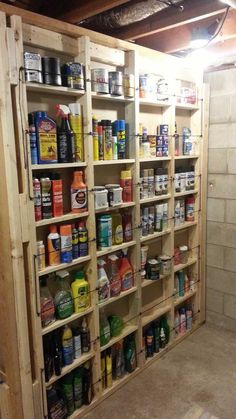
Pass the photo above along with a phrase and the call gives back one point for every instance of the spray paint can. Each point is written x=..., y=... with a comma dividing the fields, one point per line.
x=100, y=142
x=37, y=200
x=33, y=139
x=46, y=198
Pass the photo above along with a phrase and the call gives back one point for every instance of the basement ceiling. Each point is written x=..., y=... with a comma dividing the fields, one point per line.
x=164, y=25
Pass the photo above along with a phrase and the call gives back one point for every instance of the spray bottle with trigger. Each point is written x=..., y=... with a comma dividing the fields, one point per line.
x=65, y=136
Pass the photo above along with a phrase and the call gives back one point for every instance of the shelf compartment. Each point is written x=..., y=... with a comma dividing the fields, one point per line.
x=182, y=266
x=158, y=354
x=155, y=198
x=181, y=300
x=109, y=97
x=155, y=103
x=154, y=159
x=187, y=224
x=58, y=166
x=115, y=248
x=186, y=157
x=187, y=106
x=68, y=368
x=128, y=330
x=120, y=381
x=107, y=162
x=147, y=282
x=45, y=88
x=117, y=207
x=59, y=323
x=75, y=262
x=66, y=217
x=155, y=235
x=192, y=192
x=154, y=314
x=113, y=299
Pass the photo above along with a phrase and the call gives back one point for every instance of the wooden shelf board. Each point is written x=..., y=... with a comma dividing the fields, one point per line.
x=187, y=224
x=111, y=162
x=147, y=282
x=66, y=217
x=83, y=410
x=155, y=103
x=113, y=299
x=192, y=192
x=186, y=157
x=187, y=106
x=59, y=323
x=58, y=90
x=119, y=382
x=58, y=166
x=117, y=207
x=111, y=98
x=155, y=198
x=182, y=266
x=155, y=235
x=154, y=314
x=115, y=248
x=181, y=300
x=128, y=329
x=50, y=269
x=154, y=159
x=68, y=368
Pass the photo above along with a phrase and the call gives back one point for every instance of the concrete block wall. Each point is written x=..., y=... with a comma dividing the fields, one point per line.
x=221, y=201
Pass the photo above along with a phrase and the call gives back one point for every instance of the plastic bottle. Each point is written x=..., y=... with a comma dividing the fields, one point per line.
x=75, y=242
x=78, y=387
x=62, y=296
x=41, y=255
x=149, y=342
x=33, y=139
x=37, y=199
x=108, y=368
x=75, y=119
x=189, y=317
x=117, y=229
x=162, y=339
x=80, y=293
x=46, y=197
x=181, y=278
x=127, y=227
x=65, y=137
x=85, y=336
x=100, y=141
x=103, y=369
x=78, y=193
x=57, y=195
x=66, y=243
x=47, y=307
x=53, y=246
x=57, y=357
x=156, y=335
x=67, y=345
x=182, y=326
x=105, y=332
x=66, y=385
x=177, y=323
x=126, y=272
x=189, y=208
x=77, y=348
x=126, y=184
x=87, y=384
x=103, y=282
x=83, y=239
x=46, y=134
x=130, y=354
x=48, y=357
x=114, y=276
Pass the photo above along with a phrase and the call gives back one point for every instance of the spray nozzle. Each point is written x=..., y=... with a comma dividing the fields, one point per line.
x=62, y=110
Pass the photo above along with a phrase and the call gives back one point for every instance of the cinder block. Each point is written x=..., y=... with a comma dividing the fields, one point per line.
x=230, y=259
x=223, y=81
x=216, y=209
x=231, y=161
x=221, y=280
x=218, y=135
x=222, y=186
x=220, y=109
x=230, y=306
x=214, y=300
x=220, y=321
x=217, y=160
x=232, y=100
x=230, y=211
x=221, y=234
x=215, y=255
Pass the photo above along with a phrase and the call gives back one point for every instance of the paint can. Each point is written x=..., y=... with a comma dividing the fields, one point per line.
x=116, y=83
x=73, y=75
x=100, y=80
x=104, y=230
x=128, y=81
x=114, y=194
x=100, y=197
x=33, y=67
x=153, y=269
x=51, y=71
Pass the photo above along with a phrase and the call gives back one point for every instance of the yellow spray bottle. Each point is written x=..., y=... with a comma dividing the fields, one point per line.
x=75, y=119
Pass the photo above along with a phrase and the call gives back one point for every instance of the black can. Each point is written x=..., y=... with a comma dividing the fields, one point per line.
x=153, y=269
x=51, y=71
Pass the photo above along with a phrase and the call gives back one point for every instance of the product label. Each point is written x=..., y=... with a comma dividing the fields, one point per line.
x=78, y=392
x=47, y=136
x=77, y=346
x=127, y=281
x=158, y=184
x=118, y=236
x=63, y=147
x=63, y=304
x=82, y=300
x=78, y=198
x=115, y=287
x=128, y=232
x=67, y=351
x=121, y=143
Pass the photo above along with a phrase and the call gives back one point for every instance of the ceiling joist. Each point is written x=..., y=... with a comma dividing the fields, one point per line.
x=194, y=11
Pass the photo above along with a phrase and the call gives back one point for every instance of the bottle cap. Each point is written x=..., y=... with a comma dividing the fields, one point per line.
x=65, y=230
x=79, y=275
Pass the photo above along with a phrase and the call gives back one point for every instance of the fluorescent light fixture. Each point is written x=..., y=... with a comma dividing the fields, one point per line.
x=231, y=3
x=200, y=38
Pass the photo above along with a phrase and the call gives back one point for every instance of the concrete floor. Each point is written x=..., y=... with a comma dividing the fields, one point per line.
x=200, y=371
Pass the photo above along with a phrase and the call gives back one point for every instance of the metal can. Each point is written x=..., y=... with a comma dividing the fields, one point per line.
x=116, y=83
x=166, y=264
x=153, y=269
x=100, y=198
x=128, y=80
x=114, y=194
x=100, y=80
x=143, y=86
x=104, y=231
x=145, y=219
x=33, y=67
x=73, y=75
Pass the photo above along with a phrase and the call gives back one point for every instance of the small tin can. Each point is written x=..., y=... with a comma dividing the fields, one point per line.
x=128, y=80
x=73, y=75
x=100, y=80
x=115, y=83
x=33, y=67
x=153, y=269
x=100, y=197
x=104, y=230
x=166, y=264
x=52, y=71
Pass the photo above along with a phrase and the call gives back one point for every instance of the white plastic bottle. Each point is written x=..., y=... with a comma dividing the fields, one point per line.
x=103, y=282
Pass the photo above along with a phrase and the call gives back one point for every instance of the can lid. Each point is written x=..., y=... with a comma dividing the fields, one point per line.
x=65, y=230
x=164, y=257
x=183, y=248
x=152, y=261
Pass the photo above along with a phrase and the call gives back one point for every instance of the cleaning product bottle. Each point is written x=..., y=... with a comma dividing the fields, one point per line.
x=48, y=357
x=117, y=229
x=162, y=338
x=53, y=246
x=57, y=357
x=105, y=333
x=78, y=193
x=181, y=277
x=33, y=139
x=103, y=369
x=130, y=354
x=77, y=343
x=65, y=137
x=103, y=282
x=78, y=387
x=66, y=243
x=66, y=384
x=189, y=316
x=114, y=276
x=46, y=304
x=57, y=195
x=55, y=403
x=83, y=239
x=75, y=119
x=75, y=242
x=156, y=335
x=108, y=368
x=85, y=336
x=166, y=327
x=46, y=134
x=37, y=199
x=149, y=342
x=67, y=345
x=126, y=272
x=87, y=384
x=182, y=319
x=177, y=323
x=62, y=297
x=80, y=292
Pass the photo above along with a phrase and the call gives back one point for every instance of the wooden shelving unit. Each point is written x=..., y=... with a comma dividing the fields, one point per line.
x=147, y=300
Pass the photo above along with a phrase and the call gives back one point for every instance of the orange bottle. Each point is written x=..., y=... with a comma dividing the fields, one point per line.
x=53, y=246
x=78, y=193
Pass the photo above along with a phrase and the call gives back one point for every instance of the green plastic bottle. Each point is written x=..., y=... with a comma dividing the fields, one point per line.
x=130, y=354
x=164, y=324
x=105, y=331
x=67, y=392
x=78, y=387
x=62, y=297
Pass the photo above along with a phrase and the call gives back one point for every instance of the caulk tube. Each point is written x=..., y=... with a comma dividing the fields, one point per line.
x=75, y=119
x=65, y=137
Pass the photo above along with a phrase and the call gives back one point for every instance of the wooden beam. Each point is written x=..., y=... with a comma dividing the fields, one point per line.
x=74, y=11
x=178, y=39
x=194, y=10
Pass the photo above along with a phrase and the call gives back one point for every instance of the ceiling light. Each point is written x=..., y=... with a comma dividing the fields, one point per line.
x=200, y=38
x=231, y=3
